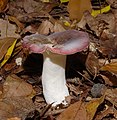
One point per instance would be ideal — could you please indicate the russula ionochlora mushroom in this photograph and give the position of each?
(54, 48)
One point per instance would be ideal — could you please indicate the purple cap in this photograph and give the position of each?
(65, 43)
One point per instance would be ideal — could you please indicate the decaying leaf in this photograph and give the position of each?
(103, 10)
(111, 95)
(7, 29)
(4, 45)
(62, 1)
(8, 54)
(46, 27)
(45, 0)
(15, 102)
(12, 107)
(81, 111)
(92, 64)
(91, 107)
(3, 5)
(112, 67)
(58, 27)
(110, 71)
(77, 7)
(15, 86)
(108, 81)
(29, 9)
(75, 111)
(106, 112)
(14, 118)
(17, 22)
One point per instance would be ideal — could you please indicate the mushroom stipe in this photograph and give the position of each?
(54, 48)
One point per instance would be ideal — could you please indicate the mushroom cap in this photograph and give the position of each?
(65, 43)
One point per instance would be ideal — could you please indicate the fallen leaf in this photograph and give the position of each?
(7, 29)
(62, 1)
(46, 27)
(13, 107)
(15, 86)
(92, 64)
(111, 95)
(10, 66)
(75, 111)
(14, 118)
(18, 48)
(112, 67)
(77, 7)
(110, 71)
(3, 5)
(108, 80)
(4, 45)
(105, 113)
(58, 27)
(18, 23)
(45, 0)
(8, 54)
(31, 5)
(103, 10)
(91, 107)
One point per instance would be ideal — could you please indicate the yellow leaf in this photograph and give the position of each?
(111, 67)
(76, 8)
(45, 0)
(5, 43)
(103, 10)
(8, 54)
(66, 23)
(62, 1)
(91, 107)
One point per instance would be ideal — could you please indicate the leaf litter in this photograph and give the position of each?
(91, 74)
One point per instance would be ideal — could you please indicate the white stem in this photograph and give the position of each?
(53, 78)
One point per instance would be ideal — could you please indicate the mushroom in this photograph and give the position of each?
(54, 48)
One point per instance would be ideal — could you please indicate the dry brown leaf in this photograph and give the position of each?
(45, 0)
(108, 81)
(111, 95)
(110, 71)
(46, 27)
(3, 5)
(14, 118)
(15, 86)
(18, 107)
(75, 111)
(10, 66)
(7, 29)
(17, 22)
(106, 112)
(30, 5)
(77, 7)
(92, 64)
(112, 67)
(58, 27)
(91, 107)
(4, 45)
